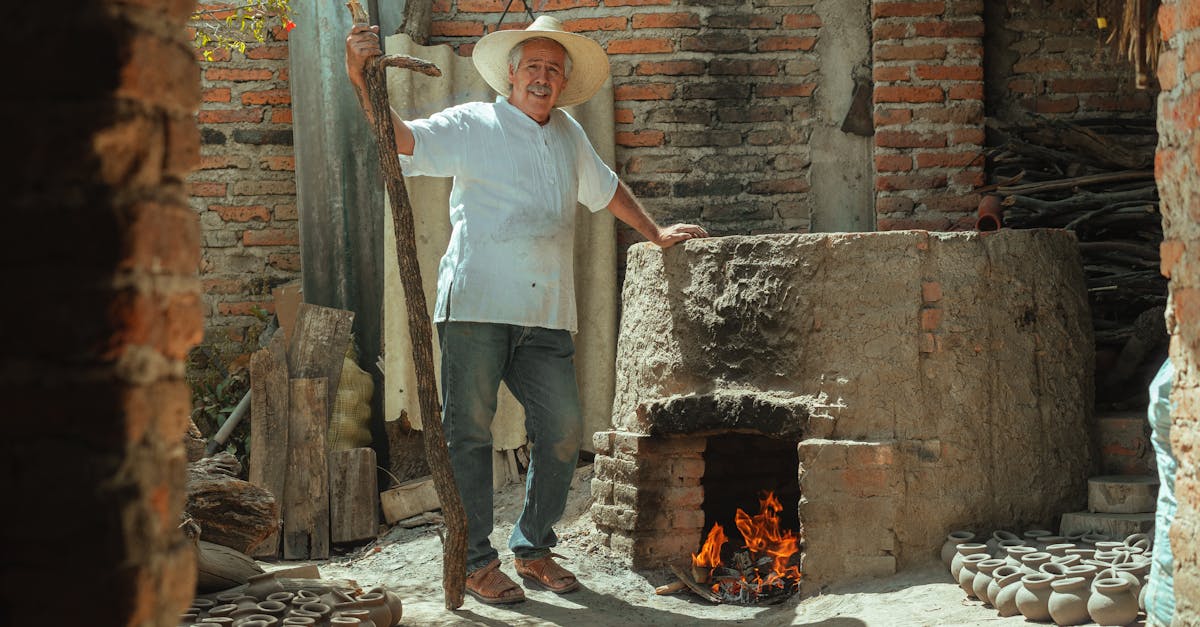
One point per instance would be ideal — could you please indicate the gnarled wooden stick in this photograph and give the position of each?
(454, 551)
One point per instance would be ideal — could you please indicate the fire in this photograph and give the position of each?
(764, 542)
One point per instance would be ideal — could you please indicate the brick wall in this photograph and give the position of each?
(1051, 58)
(928, 72)
(1179, 187)
(244, 192)
(106, 304)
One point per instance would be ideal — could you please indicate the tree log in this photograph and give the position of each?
(454, 556)
(231, 512)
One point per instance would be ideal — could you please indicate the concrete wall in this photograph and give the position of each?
(1179, 185)
(102, 256)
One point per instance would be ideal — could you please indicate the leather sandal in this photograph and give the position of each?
(543, 572)
(490, 585)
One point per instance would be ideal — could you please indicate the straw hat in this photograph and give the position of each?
(589, 62)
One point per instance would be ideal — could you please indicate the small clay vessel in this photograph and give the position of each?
(299, 620)
(344, 620)
(950, 547)
(983, 578)
(1139, 540)
(227, 597)
(1059, 549)
(283, 597)
(1000, 535)
(204, 604)
(1003, 546)
(222, 610)
(1033, 597)
(363, 616)
(1058, 571)
(335, 596)
(1015, 553)
(1046, 541)
(1031, 561)
(273, 608)
(375, 602)
(246, 601)
(1067, 560)
(1109, 545)
(305, 596)
(318, 610)
(189, 619)
(396, 605)
(1093, 538)
(1000, 573)
(970, 568)
(224, 621)
(1113, 602)
(1086, 571)
(1005, 600)
(1068, 601)
(969, 548)
(1033, 536)
(261, 586)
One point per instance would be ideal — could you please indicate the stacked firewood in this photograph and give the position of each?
(1095, 178)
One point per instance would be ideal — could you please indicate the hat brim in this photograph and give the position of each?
(589, 62)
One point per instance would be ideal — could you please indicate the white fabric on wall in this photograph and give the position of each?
(414, 96)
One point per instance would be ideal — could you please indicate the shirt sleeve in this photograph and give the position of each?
(438, 144)
(597, 181)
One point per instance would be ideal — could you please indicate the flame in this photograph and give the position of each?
(710, 553)
(762, 536)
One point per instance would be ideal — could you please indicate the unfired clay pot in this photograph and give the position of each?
(1001, 572)
(1069, 601)
(969, 548)
(1113, 602)
(983, 578)
(1015, 553)
(1005, 600)
(1034, 596)
(970, 568)
(950, 547)
(262, 586)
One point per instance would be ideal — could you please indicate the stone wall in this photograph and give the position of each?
(102, 263)
(244, 192)
(1179, 187)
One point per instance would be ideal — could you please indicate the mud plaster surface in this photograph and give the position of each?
(409, 562)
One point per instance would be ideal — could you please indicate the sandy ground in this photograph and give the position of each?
(409, 562)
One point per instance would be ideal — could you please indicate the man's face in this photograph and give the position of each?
(539, 79)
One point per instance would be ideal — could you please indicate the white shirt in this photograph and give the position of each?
(512, 210)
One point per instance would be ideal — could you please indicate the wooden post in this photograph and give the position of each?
(353, 495)
(318, 344)
(306, 495)
(454, 555)
(269, 427)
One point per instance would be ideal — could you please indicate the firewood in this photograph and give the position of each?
(230, 512)
(1079, 181)
(306, 495)
(686, 578)
(671, 588)
(269, 426)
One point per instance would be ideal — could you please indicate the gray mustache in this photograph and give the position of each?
(538, 90)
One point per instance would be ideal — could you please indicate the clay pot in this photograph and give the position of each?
(203, 604)
(222, 610)
(1140, 540)
(344, 620)
(396, 605)
(950, 547)
(363, 616)
(1000, 535)
(1015, 553)
(1067, 560)
(1031, 561)
(189, 619)
(969, 548)
(1069, 601)
(315, 610)
(299, 620)
(254, 623)
(246, 602)
(272, 608)
(265, 620)
(1058, 549)
(1046, 541)
(1034, 596)
(983, 578)
(1109, 545)
(1092, 538)
(1000, 573)
(1033, 536)
(261, 586)
(375, 602)
(970, 568)
(305, 596)
(1005, 600)
(335, 596)
(1054, 569)
(228, 597)
(1142, 597)
(1084, 553)
(283, 597)
(991, 214)
(224, 621)
(1113, 602)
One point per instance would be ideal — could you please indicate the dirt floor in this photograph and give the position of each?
(409, 562)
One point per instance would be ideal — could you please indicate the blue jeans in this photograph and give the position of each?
(538, 367)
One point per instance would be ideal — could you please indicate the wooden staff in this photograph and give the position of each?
(454, 550)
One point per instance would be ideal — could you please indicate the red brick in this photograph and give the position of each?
(281, 115)
(893, 163)
(623, 116)
(968, 91)
(640, 46)
(802, 20)
(1082, 85)
(950, 30)
(594, 24)
(267, 51)
(890, 30)
(1168, 70)
(666, 20)
(742, 21)
(1170, 251)
(444, 28)
(161, 238)
(206, 189)
(215, 94)
(639, 138)
(1056, 105)
(1137, 101)
(1038, 65)
(634, 3)
(778, 90)
(270, 96)
(772, 44)
(285, 187)
(948, 160)
(965, 52)
(902, 182)
(896, 52)
(968, 178)
(1168, 21)
(228, 116)
(647, 91)
(883, 74)
(908, 94)
(270, 237)
(220, 162)
(1023, 86)
(931, 291)
(223, 286)
(909, 139)
(906, 9)
(237, 74)
(743, 67)
(950, 72)
(219, 55)
(487, 6)
(892, 117)
(241, 213)
(973, 136)
(931, 318)
(670, 68)
(559, 5)
(282, 163)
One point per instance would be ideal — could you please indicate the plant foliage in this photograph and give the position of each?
(252, 19)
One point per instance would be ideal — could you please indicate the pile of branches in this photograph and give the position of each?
(1095, 178)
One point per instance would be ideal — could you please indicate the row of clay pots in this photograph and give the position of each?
(1070, 584)
(264, 603)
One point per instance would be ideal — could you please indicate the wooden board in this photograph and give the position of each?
(306, 495)
(353, 494)
(318, 345)
(269, 427)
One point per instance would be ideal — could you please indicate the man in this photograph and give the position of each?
(505, 308)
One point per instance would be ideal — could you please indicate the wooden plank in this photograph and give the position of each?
(353, 494)
(269, 427)
(306, 495)
(318, 345)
